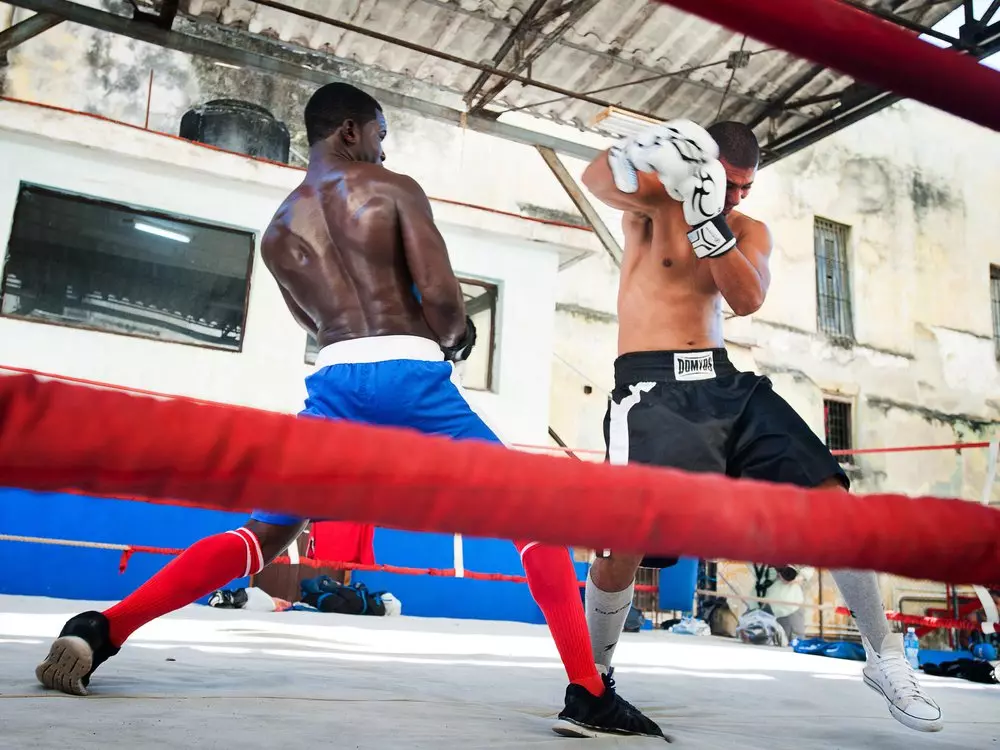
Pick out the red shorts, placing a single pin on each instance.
(344, 541)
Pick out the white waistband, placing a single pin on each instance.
(378, 349)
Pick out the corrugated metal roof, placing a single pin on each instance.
(614, 42)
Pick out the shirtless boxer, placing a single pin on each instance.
(678, 401)
(362, 266)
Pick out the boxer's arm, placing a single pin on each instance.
(598, 180)
(430, 267)
(283, 253)
(742, 274)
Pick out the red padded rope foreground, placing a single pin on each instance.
(61, 437)
(864, 47)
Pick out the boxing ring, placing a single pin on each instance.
(204, 678)
(490, 684)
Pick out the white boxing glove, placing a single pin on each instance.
(706, 197)
(710, 235)
(674, 151)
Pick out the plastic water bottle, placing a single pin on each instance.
(911, 647)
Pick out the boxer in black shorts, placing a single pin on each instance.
(678, 401)
(694, 410)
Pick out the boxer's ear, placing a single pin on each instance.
(350, 132)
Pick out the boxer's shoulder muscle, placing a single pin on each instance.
(750, 231)
(280, 239)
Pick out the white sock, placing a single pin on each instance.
(861, 593)
(606, 615)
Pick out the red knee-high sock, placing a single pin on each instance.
(199, 570)
(552, 580)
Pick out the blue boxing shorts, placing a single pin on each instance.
(393, 381)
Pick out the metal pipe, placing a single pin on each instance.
(808, 100)
(905, 23)
(27, 29)
(990, 12)
(636, 82)
(599, 54)
(519, 31)
(879, 52)
(580, 201)
(578, 10)
(492, 70)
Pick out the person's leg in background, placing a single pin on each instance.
(794, 624)
(90, 638)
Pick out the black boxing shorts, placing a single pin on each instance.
(693, 410)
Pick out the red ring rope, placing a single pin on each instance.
(525, 446)
(310, 562)
(847, 39)
(836, 452)
(60, 437)
(931, 622)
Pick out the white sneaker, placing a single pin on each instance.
(889, 673)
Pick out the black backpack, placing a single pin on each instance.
(328, 595)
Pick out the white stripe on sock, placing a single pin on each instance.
(528, 546)
(246, 544)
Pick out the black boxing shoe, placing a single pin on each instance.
(83, 645)
(609, 715)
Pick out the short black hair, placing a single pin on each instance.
(737, 143)
(332, 104)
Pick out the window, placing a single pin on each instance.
(833, 289)
(839, 431)
(481, 305)
(86, 263)
(995, 304)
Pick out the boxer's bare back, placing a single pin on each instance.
(349, 245)
(668, 298)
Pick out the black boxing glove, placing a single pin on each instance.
(712, 238)
(788, 573)
(460, 350)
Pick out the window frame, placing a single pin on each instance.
(995, 307)
(252, 235)
(494, 290)
(823, 229)
(851, 432)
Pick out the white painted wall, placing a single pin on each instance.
(112, 162)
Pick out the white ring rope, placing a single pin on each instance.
(64, 542)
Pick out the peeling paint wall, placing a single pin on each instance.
(915, 187)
